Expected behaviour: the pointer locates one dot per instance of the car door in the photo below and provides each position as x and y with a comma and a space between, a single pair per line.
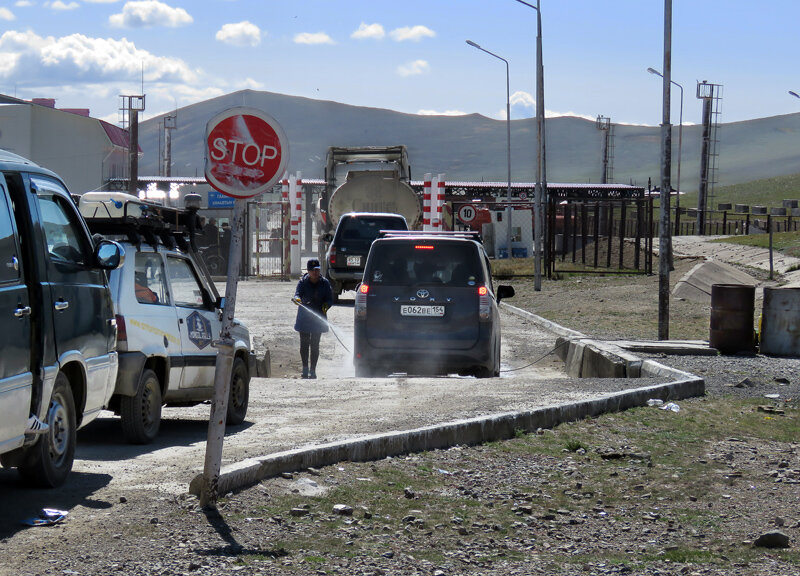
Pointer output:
155, 319
15, 332
82, 309
198, 323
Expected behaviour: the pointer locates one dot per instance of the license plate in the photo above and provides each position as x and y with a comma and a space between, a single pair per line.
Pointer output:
413, 310
354, 260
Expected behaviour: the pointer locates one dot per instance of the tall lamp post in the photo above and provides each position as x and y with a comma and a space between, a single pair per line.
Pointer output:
795, 94
541, 164
680, 142
508, 142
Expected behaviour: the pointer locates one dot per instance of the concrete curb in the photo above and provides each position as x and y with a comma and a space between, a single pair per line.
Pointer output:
461, 432
475, 430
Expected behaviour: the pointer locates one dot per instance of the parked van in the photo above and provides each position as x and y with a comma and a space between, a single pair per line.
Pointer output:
57, 329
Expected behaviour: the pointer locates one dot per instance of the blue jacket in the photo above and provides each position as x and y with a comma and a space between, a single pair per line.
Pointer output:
312, 296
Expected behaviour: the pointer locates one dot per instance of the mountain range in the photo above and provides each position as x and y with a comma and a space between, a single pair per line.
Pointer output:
474, 148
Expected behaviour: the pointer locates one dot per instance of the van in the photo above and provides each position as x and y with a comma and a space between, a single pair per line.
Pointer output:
57, 330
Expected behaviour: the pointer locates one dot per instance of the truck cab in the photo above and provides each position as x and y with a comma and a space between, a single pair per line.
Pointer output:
57, 329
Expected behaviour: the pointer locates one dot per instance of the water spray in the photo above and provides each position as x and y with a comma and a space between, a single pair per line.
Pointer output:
333, 328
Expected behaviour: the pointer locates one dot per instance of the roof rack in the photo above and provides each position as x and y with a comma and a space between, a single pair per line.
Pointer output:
468, 234
117, 213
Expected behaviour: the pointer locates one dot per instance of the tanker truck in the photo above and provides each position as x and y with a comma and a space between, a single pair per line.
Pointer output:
366, 190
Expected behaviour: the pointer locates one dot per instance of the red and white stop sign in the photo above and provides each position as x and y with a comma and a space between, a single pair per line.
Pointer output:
246, 152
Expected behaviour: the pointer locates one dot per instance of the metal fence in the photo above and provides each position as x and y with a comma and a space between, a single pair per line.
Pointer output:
268, 239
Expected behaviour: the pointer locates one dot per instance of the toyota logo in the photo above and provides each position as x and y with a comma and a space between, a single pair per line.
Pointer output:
423, 293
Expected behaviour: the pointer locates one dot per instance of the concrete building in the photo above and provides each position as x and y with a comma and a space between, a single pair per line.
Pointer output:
84, 151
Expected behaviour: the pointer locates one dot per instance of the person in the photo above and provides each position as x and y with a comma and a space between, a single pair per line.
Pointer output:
314, 296
211, 233
143, 292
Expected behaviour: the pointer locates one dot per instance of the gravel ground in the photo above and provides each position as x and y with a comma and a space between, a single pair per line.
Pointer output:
628, 493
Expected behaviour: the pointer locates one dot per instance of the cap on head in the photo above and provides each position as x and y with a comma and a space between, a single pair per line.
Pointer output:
313, 264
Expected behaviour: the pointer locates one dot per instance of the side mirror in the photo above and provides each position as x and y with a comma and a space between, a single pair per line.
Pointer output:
327, 237
109, 255
504, 292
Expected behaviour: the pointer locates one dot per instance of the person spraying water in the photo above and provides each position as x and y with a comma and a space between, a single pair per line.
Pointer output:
314, 297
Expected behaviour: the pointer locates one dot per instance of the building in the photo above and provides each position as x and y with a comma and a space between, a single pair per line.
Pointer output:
84, 151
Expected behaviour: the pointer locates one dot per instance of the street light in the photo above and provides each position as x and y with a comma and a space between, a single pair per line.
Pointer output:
680, 141
795, 94
508, 142
541, 164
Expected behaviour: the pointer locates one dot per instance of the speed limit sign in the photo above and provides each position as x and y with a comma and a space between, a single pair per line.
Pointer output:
467, 213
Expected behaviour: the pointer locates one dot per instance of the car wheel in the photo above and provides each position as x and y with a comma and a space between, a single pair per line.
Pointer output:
48, 462
141, 413
336, 288
239, 393
484, 372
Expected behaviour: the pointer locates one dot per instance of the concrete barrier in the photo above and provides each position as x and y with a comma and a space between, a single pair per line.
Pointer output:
470, 432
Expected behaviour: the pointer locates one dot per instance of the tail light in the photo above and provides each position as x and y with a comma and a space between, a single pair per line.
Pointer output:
484, 309
332, 256
361, 301
122, 334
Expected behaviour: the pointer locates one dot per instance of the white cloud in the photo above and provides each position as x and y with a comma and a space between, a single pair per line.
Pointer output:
437, 113
240, 34
313, 38
100, 1
249, 84
62, 6
6, 14
148, 13
414, 68
414, 33
522, 98
23, 3
79, 59
365, 31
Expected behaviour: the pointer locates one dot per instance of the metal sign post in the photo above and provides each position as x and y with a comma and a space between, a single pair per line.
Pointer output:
246, 152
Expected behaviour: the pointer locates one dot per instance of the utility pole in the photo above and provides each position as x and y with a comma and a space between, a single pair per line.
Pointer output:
132, 105
170, 124
665, 238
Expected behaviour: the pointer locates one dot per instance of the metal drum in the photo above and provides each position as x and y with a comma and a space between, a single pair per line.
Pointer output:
732, 318
780, 322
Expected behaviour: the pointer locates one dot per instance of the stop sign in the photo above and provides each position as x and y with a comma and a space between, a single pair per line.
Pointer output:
246, 152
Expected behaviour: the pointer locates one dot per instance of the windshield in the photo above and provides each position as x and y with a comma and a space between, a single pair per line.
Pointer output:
365, 230
424, 262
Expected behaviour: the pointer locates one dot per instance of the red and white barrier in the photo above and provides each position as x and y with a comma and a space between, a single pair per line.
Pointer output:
295, 203
426, 203
437, 202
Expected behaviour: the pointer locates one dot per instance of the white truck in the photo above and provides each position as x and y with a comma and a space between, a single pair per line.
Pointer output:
362, 181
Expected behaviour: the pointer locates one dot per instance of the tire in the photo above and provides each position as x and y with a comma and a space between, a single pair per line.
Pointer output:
336, 289
239, 394
141, 413
215, 264
48, 462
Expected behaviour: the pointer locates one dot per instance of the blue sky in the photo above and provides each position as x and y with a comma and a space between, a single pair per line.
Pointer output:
410, 56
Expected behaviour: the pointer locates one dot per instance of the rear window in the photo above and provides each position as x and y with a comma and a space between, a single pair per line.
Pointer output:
367, 229
424, 262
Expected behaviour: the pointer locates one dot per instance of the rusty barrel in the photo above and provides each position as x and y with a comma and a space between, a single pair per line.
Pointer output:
732, 318
780, 322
